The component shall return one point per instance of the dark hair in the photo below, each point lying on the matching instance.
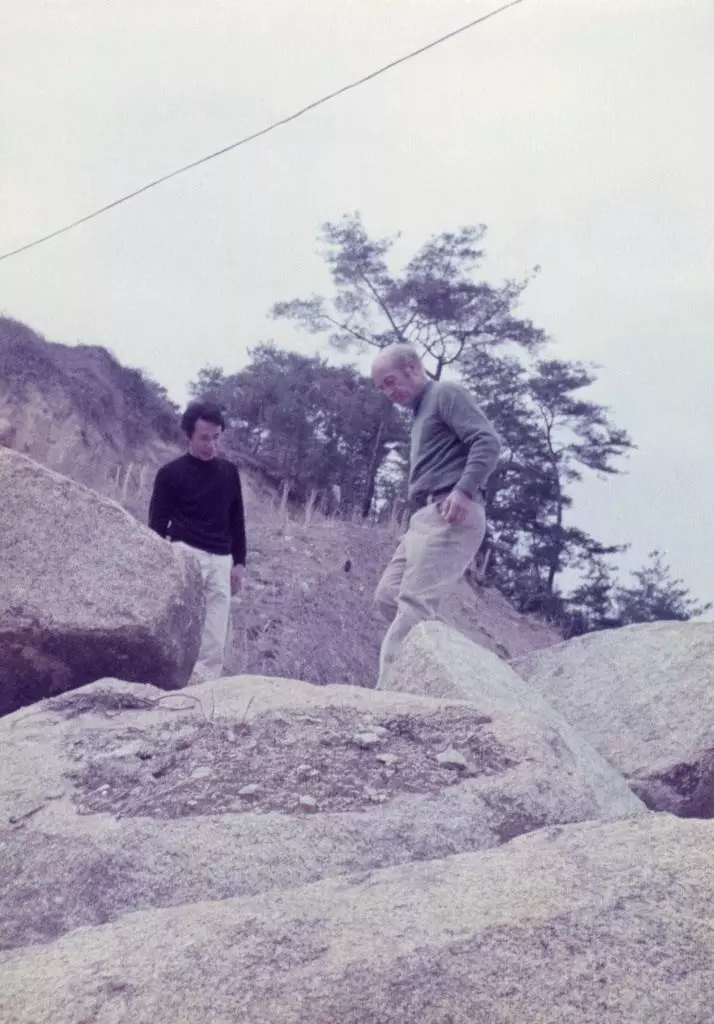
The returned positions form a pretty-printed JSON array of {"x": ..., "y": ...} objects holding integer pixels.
[{"x": 201, "y": 411}]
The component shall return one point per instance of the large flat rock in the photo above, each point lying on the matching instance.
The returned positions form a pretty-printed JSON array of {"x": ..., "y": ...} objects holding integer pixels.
[
  {"x": 86, "y": 591},
  {"x": 437, "y": 661},
  {"x": 117, "y": 797},
  {"x": 586, "y": 924},
  {"x": 644, "y": 696}
]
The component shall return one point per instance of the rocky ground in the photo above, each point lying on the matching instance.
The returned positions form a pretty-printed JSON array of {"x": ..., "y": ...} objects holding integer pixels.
[{"x": 259, "y": 849}]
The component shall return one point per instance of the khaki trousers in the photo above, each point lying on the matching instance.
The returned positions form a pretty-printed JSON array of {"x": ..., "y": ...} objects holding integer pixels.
[
  {"x": 431, "y": 558},
  {"x": 216, "y": 573}
]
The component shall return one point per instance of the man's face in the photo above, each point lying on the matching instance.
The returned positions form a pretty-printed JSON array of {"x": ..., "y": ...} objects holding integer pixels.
[
  {"x": 203, "y": 443},
  {"x": 401, "y": 384}
]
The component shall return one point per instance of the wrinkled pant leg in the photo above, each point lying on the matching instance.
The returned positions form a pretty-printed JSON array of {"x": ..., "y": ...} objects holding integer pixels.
[
  {"x": 216, "y": 571},
  {"x": 436, "y": 557},
  {"x": 387, "y": 592}
]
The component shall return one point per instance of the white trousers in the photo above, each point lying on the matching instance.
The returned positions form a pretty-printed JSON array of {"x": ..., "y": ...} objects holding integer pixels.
[{"x": 216, "y": 573}]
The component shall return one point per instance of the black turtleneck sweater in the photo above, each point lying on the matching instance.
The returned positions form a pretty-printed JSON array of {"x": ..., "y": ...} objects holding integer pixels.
[{"x": 200, "y": 502}]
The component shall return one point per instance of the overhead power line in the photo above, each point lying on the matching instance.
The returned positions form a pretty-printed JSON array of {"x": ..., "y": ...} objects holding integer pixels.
[{"x": 264, "y": 131}]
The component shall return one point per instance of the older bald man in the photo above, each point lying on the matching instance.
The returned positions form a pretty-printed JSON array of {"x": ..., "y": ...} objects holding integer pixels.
[{"x": 454, "y": 449}]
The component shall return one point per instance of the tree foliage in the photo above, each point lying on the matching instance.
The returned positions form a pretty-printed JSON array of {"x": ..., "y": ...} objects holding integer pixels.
[
  {"x": 653, "y": 595},
  {"x": 434, "y": 304},
  {"x": 551, "y": 437},
  {"x": 313, "y": 424}
]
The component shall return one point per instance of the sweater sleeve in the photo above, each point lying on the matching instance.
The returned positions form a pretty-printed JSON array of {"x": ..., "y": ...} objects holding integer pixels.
[
  {"x": 464, "y": 416},
  {"x": 237, "y": 523},
  {"x": 160, "y": 505}
]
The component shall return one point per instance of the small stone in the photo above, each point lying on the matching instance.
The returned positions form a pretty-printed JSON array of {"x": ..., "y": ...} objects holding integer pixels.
[
  {"x": 163, "y": 767},
  {"x": 374, "y": 795},
  {"x": 451, "y": 758},
  {"x": 381, "y": 731},
  {"x": 388, "y": 759},
  {"x": 308, "y": 803},
  {"x": 202, "y": 772},
  {"x": 252, "y": 789},
  {"x": 366, "y": 740}
]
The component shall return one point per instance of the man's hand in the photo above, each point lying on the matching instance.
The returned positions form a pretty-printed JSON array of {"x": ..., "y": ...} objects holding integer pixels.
[
  {"x": 236, "y": 578},
  {"x": 455, "y": 507}
]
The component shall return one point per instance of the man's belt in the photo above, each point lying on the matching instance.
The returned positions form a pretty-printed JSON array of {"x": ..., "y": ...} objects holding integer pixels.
[{"x": 421, "y": 500}]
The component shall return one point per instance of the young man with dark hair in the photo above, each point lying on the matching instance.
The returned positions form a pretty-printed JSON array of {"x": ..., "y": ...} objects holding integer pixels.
[{"x": 198, "y": 502}]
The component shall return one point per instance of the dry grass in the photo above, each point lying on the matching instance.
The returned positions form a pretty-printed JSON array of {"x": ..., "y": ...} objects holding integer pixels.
[{"x": 306, "y": 611}]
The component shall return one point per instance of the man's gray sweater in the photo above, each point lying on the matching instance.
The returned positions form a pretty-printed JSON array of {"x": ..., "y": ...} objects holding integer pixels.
[{"x": 452, "y": 443}]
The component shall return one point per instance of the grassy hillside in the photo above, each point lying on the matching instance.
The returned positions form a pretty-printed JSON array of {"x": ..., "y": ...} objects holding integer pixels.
[{"x": 123, "y": 404}]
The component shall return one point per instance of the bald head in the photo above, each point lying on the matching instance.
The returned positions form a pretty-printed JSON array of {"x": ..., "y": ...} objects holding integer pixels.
[{"x": 397, "y": 371}]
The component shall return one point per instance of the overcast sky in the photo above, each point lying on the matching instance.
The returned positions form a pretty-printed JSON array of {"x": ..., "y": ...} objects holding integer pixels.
[{"x": 579, "y": 131}]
